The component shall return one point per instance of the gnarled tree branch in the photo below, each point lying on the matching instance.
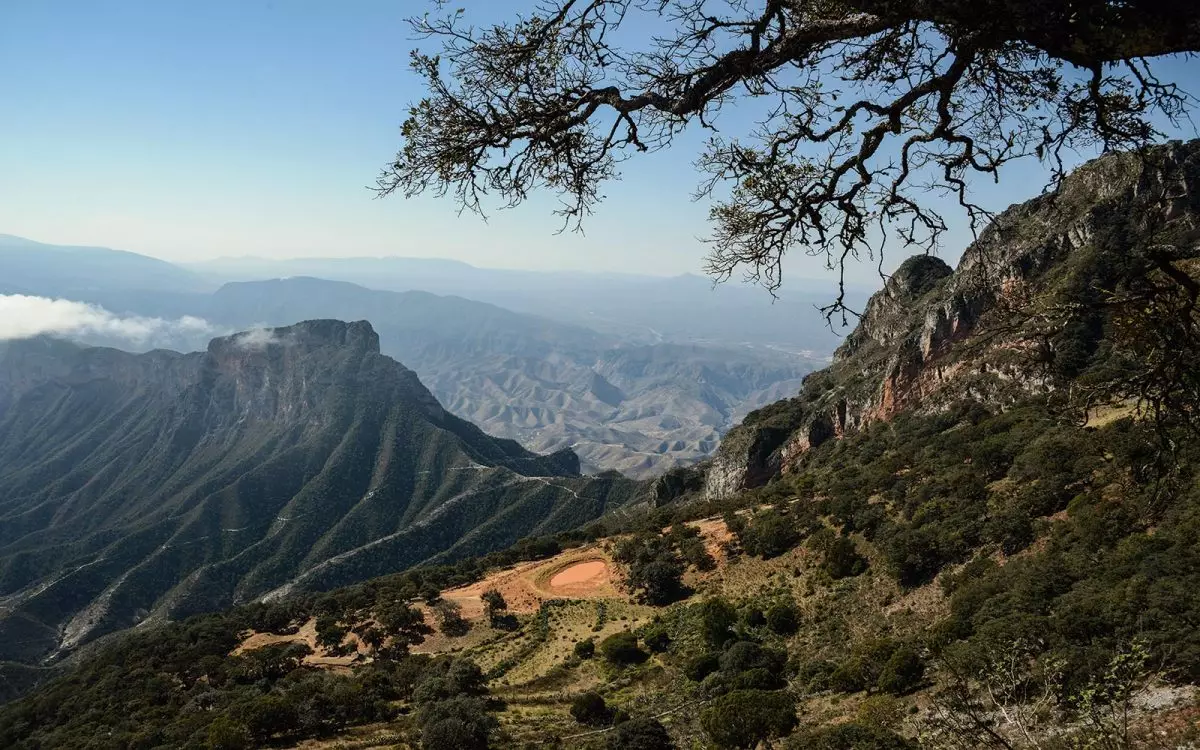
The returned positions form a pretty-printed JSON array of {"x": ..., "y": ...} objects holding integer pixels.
[{"x": 868, "y": 110}]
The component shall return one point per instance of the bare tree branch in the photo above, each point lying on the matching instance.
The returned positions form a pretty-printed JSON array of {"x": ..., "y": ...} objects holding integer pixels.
[{"x": 869, "y": 112}]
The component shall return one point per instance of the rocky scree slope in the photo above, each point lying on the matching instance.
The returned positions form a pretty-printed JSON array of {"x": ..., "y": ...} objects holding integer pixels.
[
  {"x": 140, "y": 487},
  {"x": 1016, "y": 317}
]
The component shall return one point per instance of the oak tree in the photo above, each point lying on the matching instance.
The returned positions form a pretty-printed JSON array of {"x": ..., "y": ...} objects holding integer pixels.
[{"x": 867, "y": 113}]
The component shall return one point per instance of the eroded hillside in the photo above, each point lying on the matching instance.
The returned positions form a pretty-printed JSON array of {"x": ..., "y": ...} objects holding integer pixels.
[
  {"x": 137, "y": 488},
  {"x": 1065, "y": 293},
  {"x": 859, "y": 601}
]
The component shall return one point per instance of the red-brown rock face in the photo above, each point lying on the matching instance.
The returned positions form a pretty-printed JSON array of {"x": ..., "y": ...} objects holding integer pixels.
[{"x": 935, "y": 336}]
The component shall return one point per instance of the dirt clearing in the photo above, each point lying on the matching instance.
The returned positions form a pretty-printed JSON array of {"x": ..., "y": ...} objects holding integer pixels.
[
  {"x": 584, "y": 573},
  {"x": 307, "y": 635},
  {"x": 582, "y": 577}
]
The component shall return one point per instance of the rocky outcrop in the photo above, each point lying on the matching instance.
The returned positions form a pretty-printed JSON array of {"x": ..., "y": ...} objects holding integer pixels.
[
  {"x": 680, "y": 481},
  {"x": 934, "y": 336},
  {"x": 280, "y": 374}
]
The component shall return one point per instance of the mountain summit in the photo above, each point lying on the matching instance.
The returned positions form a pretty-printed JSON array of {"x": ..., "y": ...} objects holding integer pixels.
[
  {"x": 1032, "y": 308},
  {"x": 148, "y": 486}
]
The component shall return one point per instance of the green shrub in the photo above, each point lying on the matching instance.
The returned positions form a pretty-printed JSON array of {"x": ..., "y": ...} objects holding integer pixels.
[
  {"x": 622, "y": 649},
  {"x": 660, "y": 581},
  {"x": 717, "y": 618},
  {"x": 639, "y": 734},
  {"x": 456, "y": 732},
  {"x": 770, "y": 534},
  {"x": 744, "y": 718},
  {"x": 1012, "y": 530},
  {"x": 656, "y": 638},
  {"x": 691, "y": 547},
  {"x": 758, "y": 678},
  {"x": 329, "y": 633},
  {"x": 849, "y": 677},
  {"x": 815, "y": 675},
  {"x": 735, "y": 523},
  {"x": 589, "y": 708},
  {"x": 746, "y": 655},
  {"x": 842, "y": 559},
  {"x": 701, "y": 666},
  {"x": 902, "y": 672},
  {"x": 227, "y": 734},
  {"x": 783, "y": 618},
  {"x": 849, "y": 737},
  {"x": 585, "y": 649},
  {"x": 655, "y": 568}
]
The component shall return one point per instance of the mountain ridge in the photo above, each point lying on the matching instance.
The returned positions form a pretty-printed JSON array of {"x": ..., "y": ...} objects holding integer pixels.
[
  {"x": 138, "y": 487},
  {"x": 1005, "y": 324},
  {"x": 621, "y": 404}
]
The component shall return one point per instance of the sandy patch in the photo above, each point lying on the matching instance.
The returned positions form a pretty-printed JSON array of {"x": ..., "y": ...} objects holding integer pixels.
[
  {"x": 716, "y": 535},
  {"x": 1103, "y": 415},
  {"x": 308, "y": 636},
  {"x": 581, "y": 577}
]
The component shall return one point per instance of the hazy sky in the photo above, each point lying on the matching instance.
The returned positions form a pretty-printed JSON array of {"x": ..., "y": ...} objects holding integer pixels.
[{"x": 191, "y": 130}]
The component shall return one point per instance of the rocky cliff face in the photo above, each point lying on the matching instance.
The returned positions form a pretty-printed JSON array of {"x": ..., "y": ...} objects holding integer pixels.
[
  {"x": 933, "y": 335},
  {"x": 276, "y": 374}
]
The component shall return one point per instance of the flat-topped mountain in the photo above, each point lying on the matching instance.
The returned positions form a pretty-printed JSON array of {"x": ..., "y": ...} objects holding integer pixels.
[
  {"x": 639, "y": 408},
  {"x": 140, "y": 486}
]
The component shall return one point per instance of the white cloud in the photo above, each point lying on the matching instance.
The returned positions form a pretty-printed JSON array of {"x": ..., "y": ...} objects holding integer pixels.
[
  {"x": 258, "y": 338},
  {"x": 23, "y": 317}
]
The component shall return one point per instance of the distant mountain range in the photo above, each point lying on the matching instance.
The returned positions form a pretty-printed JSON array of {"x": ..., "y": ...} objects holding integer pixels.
[
  {"x": 621, "y": 397},
  {"x": 139, "y": 487},
  {"x": 28, "y": 267},
  {"x": 645, "y": 309}
]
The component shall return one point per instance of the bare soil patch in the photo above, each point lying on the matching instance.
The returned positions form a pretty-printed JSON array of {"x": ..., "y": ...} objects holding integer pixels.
[
  {"x": 582, "y": 580},
  {"x": 583, "y": 573},
  {"x": 307, "y": 635},
  {"x": 716, "y": 535}
]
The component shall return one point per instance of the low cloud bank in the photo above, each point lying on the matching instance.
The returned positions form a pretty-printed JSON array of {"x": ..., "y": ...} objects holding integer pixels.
[
  {"x": 257, "y": 338},
  {"x": 23, "y": 317}
]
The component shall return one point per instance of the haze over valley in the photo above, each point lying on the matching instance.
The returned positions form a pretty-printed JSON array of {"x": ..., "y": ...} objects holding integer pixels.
[{"x": 638, "y": 390}]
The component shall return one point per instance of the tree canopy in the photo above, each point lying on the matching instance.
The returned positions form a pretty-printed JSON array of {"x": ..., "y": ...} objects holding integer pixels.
[{"x": 869, "y": 112}]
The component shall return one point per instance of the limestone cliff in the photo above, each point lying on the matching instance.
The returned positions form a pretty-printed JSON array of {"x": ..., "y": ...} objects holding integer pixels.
[{"x": 934, "y": 336}]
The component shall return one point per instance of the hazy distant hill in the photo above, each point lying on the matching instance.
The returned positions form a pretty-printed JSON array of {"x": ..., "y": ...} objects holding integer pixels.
[
  {"x": 64, "y": 271},
  {"x": 134, "y": 487},
  {"x": 637, "y": 408},
  {"x": 648, "y": 309}
]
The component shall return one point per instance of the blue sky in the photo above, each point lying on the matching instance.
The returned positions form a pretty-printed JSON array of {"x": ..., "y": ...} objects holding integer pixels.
[{"x": 191, "y": 130}]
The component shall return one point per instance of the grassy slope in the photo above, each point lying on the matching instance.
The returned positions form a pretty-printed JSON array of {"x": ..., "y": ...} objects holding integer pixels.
[
  {"x": 840, "y": 616},
  {"x": 1107, "y": 560}
]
